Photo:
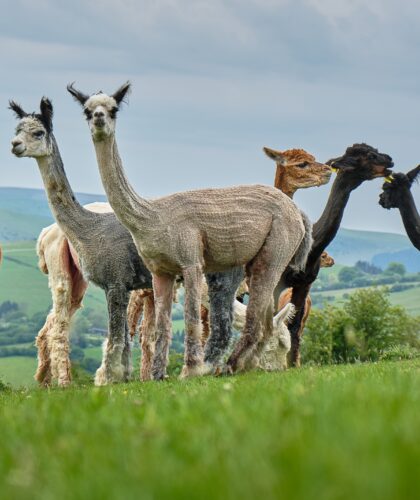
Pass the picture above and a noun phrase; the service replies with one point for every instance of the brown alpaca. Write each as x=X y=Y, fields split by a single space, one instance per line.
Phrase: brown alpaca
x=297 y=169
x=286 y=296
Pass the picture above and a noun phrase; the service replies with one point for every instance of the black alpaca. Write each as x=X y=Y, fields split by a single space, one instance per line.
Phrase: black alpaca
x=397 y=194
x=360 y=163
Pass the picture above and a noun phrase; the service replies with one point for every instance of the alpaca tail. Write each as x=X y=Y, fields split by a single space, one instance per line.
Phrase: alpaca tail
x=298 y=261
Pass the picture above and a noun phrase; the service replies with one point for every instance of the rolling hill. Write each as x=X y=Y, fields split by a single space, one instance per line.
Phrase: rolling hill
x=24 y=212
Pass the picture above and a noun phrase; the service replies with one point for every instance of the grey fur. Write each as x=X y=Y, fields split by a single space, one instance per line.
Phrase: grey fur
x=107 y=255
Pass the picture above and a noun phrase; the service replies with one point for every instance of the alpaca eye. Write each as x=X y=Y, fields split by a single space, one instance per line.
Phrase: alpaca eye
x=303 y=164
x=38 y=134
x=87 y=113
x=113 y=112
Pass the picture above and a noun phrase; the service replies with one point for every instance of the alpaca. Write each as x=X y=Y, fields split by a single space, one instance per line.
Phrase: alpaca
x=108 y=256
x=67 y=289
x=286 y=296
x=359 y=163
x=397 y=194
x=65 y=279
x=209 y=229
x=274 y=354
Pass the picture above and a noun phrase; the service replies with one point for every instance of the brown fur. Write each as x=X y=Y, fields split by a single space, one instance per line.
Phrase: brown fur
x=297 y=169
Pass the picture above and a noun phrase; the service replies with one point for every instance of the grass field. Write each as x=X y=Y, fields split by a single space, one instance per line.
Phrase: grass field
x=340 y=432
x=23 y=282
x=410 y=299
x=18 y=371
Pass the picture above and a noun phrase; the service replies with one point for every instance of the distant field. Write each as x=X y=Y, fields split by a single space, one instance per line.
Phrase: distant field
x=334 y=433
x=21 y=281
x=18 y=371
x=410 y=299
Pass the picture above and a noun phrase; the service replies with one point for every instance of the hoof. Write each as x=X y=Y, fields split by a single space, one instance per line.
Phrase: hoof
x=194 y=371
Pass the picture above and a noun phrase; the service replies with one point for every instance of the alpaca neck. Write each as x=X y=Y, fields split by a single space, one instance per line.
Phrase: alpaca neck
x=132 y=210
x=326 y=227
x=281 y=182
x=72 y=218
x=410 y=217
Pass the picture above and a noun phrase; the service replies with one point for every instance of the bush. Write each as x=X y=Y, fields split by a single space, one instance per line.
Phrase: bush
x=399 y=352
x=364 y=329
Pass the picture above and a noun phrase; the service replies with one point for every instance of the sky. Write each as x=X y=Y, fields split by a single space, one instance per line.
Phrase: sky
x=213 y=82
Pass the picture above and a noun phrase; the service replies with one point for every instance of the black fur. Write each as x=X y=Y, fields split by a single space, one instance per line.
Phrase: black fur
x=47 y=114
x=77 y=95
x=17 y=109
x=120 y=94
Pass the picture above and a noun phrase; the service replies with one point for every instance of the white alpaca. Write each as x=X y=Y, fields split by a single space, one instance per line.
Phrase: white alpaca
x=274 y=355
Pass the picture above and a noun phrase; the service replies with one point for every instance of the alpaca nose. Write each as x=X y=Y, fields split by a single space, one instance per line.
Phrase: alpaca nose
x=98 y=114
x=16 y=143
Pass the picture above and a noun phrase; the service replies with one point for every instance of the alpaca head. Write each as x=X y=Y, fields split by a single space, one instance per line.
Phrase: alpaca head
x=396 y=187
x=100 y=109
x=326 y=260
x=33 y=131
x=297 y=169
x=362 y=162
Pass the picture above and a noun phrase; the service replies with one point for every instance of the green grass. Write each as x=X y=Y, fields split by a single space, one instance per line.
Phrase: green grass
x=18 y=371
x=340 y=432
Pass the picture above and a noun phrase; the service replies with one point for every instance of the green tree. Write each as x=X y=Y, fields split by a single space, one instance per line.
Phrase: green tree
x=396 y=268
x=348 y=274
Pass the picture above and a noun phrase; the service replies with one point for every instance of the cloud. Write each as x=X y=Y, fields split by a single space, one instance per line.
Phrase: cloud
x=214 y=81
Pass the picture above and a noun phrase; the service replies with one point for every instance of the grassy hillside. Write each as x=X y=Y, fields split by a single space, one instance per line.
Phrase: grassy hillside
x=340 y=432
x=21 y=281
x=23 y=212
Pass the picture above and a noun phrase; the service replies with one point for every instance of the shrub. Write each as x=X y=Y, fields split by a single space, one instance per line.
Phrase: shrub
x=364 y=329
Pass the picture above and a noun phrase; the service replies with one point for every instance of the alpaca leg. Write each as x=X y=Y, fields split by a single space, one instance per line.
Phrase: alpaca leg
x=111 y=369
x=299 y=296
x=60 y=332
x=265 y=272
x=222 y=290
x=163 y=294
x=134 y=310
x=204 y=315
x=43 y=372
x=126 y=357
x=148 y=328
x=193 y=357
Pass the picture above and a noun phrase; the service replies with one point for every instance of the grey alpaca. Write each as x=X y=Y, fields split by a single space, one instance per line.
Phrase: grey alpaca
x=209 y=230
x=106 y=250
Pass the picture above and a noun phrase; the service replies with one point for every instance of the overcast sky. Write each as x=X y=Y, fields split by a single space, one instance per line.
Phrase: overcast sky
x=213 y=82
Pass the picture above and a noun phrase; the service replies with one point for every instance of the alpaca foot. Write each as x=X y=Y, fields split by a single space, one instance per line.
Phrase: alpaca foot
x=159 y=375
x=223 y=370
x=64 y=382
x=106 y=376
x=194 y=371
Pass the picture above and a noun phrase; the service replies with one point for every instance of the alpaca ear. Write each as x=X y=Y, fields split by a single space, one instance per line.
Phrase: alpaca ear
x=17 y=110
x=275 y=155
x=47 y=113
x=78 y=96
x=412 y=174
x=121 y=93
x=285 y=314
